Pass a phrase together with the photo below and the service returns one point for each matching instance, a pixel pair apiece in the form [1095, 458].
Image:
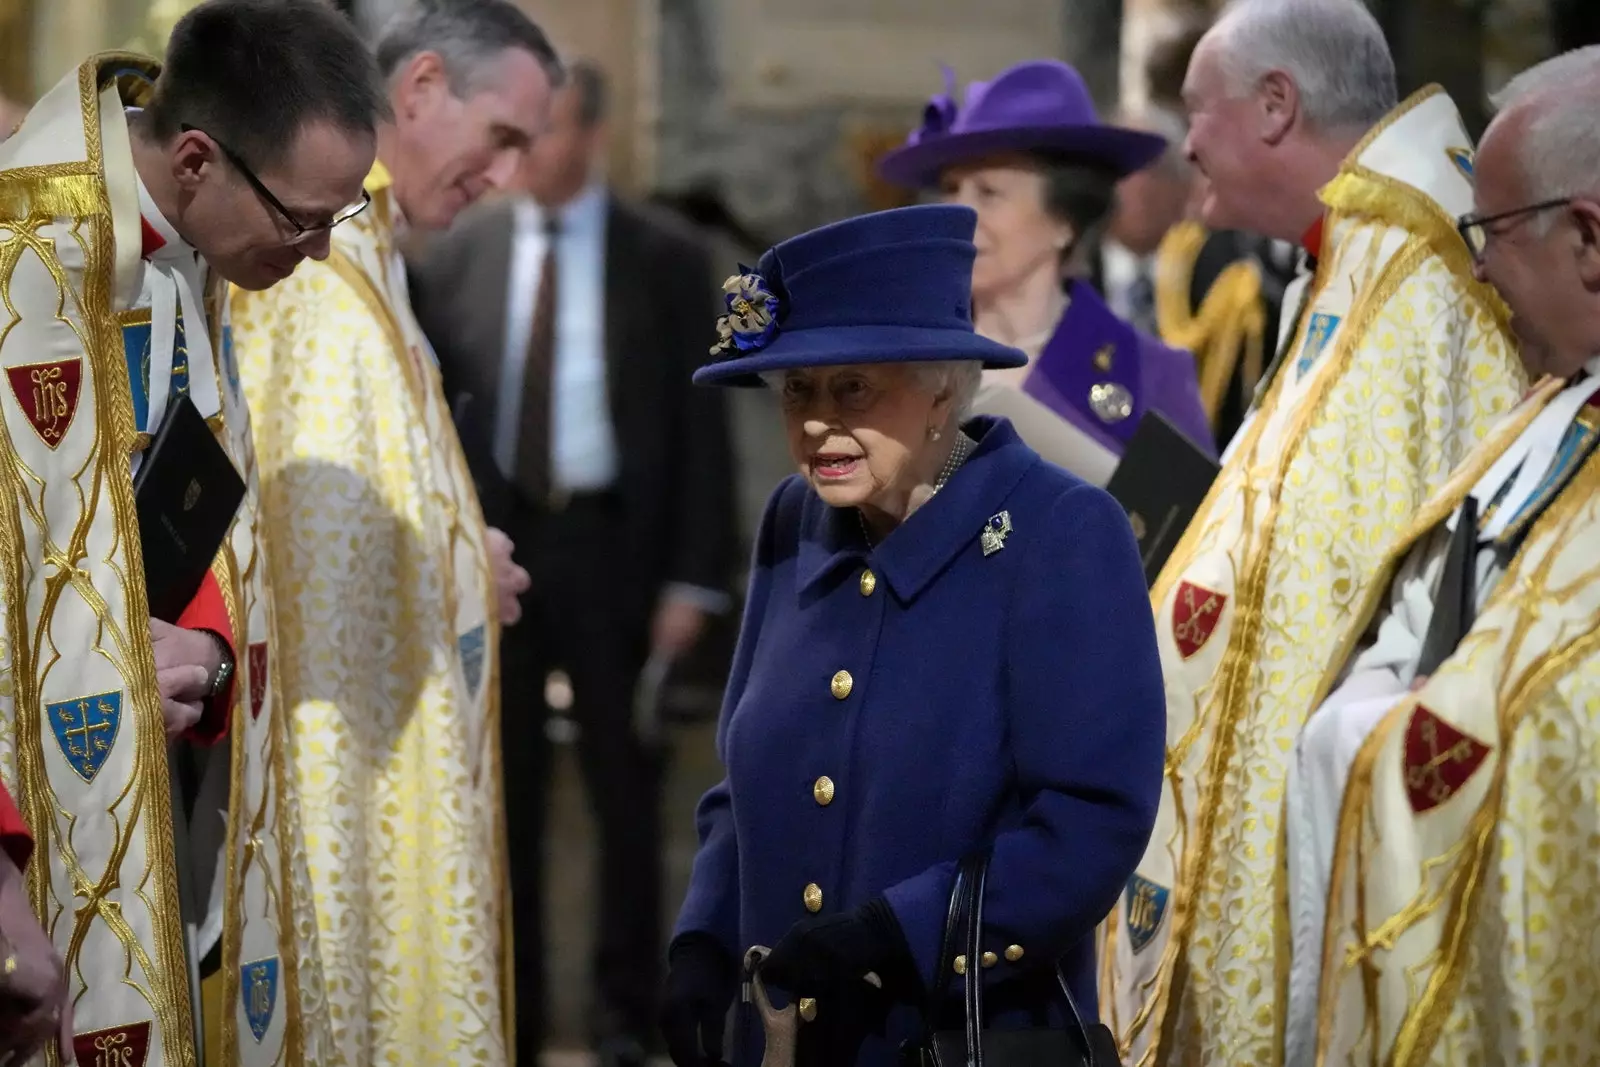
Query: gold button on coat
[842, 684]
[869, 582]
[813, 898]
[1014, 953]
[961, 965]
[823, 790]
[808, 1009]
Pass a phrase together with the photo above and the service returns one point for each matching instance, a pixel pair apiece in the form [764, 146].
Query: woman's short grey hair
[959, 377]
[468, 36]
[1334, 51]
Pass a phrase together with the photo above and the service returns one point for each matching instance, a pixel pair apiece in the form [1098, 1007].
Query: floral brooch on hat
[752, 318]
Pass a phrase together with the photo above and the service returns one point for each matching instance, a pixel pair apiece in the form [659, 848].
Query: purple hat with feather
[1038, 106]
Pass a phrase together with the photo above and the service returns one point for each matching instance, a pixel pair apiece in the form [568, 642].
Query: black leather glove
[702, 981]
[828, 953]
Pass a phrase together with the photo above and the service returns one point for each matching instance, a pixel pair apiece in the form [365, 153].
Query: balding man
[1461, 853]
[1395, 365]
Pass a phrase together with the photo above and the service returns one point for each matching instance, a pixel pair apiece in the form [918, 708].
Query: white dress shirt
[1378, 679]
[583, 443]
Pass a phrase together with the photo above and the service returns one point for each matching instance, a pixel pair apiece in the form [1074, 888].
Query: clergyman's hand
[510, 580]
[186, 663]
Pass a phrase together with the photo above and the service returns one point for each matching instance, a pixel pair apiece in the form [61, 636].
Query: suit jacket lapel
[497, 238]
[620, 270]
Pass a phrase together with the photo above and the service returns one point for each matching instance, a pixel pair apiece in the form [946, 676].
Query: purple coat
[1101, 374]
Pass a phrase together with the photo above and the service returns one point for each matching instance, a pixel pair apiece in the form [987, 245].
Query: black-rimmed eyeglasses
[302, 232]
[1474, 229]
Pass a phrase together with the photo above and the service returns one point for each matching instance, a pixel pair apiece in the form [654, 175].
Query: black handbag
[1081, 1044]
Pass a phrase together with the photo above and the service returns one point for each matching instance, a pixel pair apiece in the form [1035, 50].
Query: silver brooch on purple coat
[1110, 401]
[995, 532]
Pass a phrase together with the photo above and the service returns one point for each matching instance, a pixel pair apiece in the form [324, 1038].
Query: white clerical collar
[173, 247]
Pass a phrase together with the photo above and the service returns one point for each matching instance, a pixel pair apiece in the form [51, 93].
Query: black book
[1161, 482]
[1455, 608]
[187, 493]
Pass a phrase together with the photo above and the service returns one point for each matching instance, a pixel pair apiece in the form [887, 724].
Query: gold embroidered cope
[269, 911]
[82, 742]
[1398, 366]
[386, 653]
[1460, 929]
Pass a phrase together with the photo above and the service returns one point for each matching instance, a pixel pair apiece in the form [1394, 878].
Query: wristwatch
[225, 665]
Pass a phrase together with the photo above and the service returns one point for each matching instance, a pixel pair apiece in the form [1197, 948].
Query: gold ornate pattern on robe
[386, 654]
[274, 1006]
[1396, 370]
[82, 740]
[1464, 902]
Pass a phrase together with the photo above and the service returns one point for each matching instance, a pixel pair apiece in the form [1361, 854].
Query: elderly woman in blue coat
[947, 646]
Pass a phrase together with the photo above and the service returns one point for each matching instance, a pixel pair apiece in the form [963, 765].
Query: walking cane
[782, 1028]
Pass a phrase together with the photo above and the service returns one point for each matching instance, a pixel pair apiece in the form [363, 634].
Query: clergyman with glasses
[121, 215]
[1447, 787]
[1393, 367]
[392, 588]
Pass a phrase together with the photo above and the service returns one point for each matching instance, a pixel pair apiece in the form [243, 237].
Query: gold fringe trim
[57, 191]
[1230, 324]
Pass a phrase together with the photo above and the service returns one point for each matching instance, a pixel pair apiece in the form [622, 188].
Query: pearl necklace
[959, 453]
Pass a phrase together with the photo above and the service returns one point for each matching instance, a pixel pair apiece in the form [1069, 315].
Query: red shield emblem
[116, 1046]
[1195, 614]
[1438, 760]
[258, 677]
[48, 395]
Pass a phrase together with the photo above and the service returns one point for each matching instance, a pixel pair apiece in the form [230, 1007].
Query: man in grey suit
[567, 325]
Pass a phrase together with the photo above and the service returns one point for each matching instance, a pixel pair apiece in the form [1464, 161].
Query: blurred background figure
[568, 322]
[1029, 154]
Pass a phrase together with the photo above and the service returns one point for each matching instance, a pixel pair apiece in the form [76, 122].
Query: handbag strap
[972, 878]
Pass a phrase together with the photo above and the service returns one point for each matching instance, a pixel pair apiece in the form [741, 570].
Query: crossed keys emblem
[1196, 611]
[1438, 760]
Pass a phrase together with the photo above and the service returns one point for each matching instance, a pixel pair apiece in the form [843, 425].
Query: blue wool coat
[950, 699]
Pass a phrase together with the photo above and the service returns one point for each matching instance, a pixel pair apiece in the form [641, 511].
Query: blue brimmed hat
[891, 287]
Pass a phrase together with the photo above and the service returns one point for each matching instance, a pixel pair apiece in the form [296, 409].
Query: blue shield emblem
[470, 645]
[1462, 158]
[180, 360]
[258, 985]
[1318, 332]
[86, 728]
[136, 350]
[229, 367]
[1146, 907]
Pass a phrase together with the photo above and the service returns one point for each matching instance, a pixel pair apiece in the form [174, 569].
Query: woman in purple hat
[1029, 154]
[947, 653]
